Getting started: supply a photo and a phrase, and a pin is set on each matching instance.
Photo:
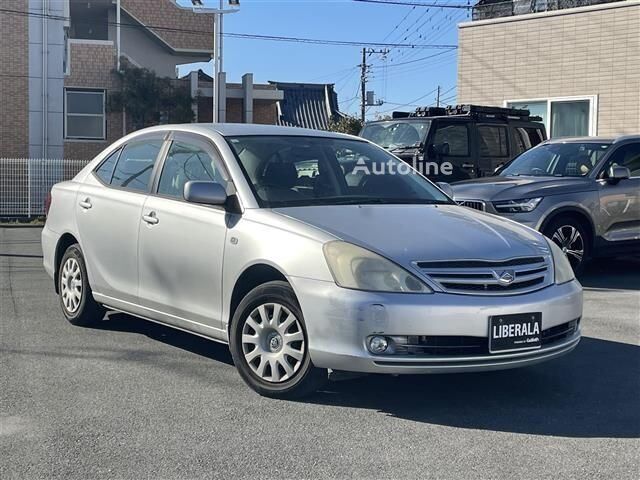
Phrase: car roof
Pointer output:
(240, 129)
(596, 139)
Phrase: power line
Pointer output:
(412, 102)
(399, 23)
(251, 36)
(414, 4)
(412, 61)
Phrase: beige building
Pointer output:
(576, 67)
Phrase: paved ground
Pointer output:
(135, 400)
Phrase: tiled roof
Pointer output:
(307, 105)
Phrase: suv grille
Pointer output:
(475, 204)
(479, 277)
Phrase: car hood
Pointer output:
(512, 188)
(408, 233)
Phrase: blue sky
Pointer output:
(346, 20)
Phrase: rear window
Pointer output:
(105, 170)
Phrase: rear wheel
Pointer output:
(76, 299)
(268, 342)
(572, 237)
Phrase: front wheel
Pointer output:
(572, 238)
(269, 345)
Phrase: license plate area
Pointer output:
(512, 333)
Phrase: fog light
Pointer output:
(378, 344)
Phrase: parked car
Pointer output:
(253, 236)
(584, 193)
(475, 140)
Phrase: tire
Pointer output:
(269, 345)
(76, 299)
(572, 237)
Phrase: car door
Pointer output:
(456, 135)
(108, 209)
(181, 244)
(619, 215)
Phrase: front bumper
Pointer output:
(339, 321)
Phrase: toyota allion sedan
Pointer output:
(304, 251)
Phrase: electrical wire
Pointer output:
(250, 36)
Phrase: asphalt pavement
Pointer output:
(134, 400)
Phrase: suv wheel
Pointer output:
(268, 342)
(76, 299)
(571, 236)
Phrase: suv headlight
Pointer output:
(561, 267)
(517, 206)
(360, 269)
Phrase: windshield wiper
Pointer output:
(405, 147)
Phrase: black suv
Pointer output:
(474, 140)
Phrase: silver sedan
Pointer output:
(304, 251)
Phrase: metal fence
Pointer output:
(25, 183)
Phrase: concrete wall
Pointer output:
(589, 51)
(14, 85)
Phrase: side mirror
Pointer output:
(617, 173)
(207, 193)
(446, 188)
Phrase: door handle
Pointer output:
(86, 203)
(468, 165)
(150, 218)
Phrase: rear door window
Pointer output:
(134, 167)
(493, 141)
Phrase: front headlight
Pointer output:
(561, 266)
(517, 206)
(360, 269)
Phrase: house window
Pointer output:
(84, 114)
(563, 116)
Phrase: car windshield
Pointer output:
(397, 133)
(571, 159)
(289, 171)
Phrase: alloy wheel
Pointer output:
(273, 342)
(569, 239)
(71, 285)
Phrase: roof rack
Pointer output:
(473, 110)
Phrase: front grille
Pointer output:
(455, 346)
(475, 204)
(484, 277)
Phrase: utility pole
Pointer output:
(363, 85)
(438, 97)
(364, 69)
(217, 45)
